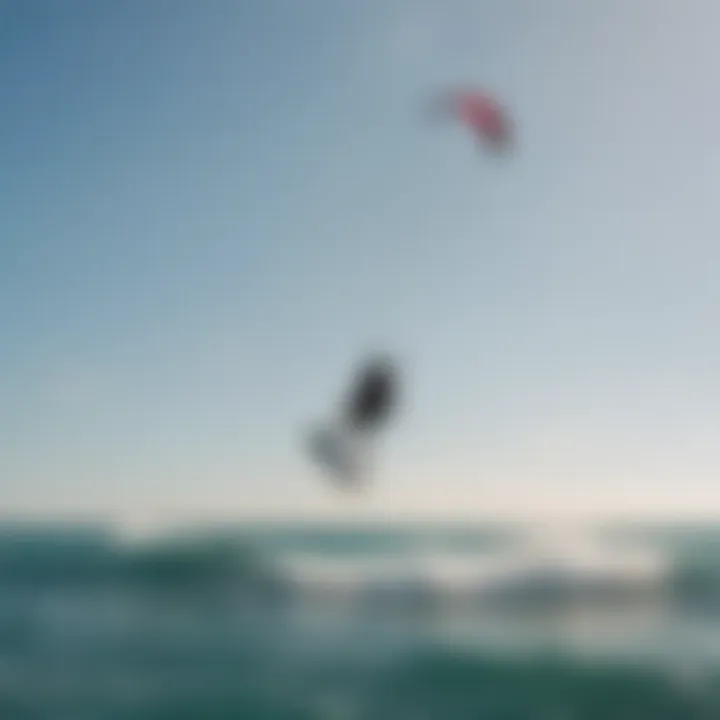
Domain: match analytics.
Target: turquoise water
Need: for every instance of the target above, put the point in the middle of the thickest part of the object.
(375, 622)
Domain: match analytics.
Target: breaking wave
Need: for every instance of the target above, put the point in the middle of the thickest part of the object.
(266, 562)
(321, 623)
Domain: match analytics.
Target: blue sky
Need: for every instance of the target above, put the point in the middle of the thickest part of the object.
(208, 210)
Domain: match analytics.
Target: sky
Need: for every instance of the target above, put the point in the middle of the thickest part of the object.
(210, 210)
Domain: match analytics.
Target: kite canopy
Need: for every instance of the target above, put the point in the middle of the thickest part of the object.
(478, 111)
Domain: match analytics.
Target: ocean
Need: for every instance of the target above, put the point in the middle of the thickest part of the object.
(311, 621)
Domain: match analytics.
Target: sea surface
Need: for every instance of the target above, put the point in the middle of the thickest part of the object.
(416, 622)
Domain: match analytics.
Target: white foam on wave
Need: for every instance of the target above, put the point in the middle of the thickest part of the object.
(577, 561)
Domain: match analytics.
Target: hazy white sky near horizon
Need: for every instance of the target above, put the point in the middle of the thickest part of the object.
(208, 209)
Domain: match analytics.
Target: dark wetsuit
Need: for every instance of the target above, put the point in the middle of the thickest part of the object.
(373, 396)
